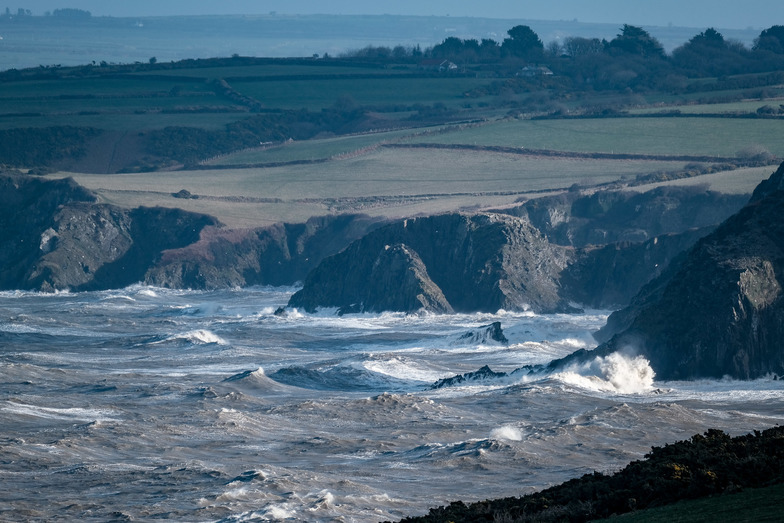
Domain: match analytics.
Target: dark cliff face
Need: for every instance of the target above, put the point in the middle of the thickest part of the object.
(608, 277)
(281, 254)
(606, 217)
(55, 237)
(27, 205)
(720, 309)
(480, 262)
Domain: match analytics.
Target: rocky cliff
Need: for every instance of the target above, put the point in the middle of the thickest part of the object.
(485, 262)
(461, 262)
(609, 276)
(281, 254)
(54, 236)
(605, 217)
(718, 310)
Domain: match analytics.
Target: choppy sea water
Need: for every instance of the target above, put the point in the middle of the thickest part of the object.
(147, 403)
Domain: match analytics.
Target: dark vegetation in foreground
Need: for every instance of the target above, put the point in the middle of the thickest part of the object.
(710, 465)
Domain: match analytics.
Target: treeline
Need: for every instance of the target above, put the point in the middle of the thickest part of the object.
(66, 12)
(632, 59)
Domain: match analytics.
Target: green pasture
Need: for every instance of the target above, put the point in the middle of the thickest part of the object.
(275, 70)
(722, 137)
(126, 103)
(114, 104)
(315, 94)
(315, 149)
(750, 505)
(99, 87)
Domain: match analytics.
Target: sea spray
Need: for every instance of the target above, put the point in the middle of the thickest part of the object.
(507, 432)
(615, 372)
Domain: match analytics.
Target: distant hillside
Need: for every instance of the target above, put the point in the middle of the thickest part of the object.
(128, 40)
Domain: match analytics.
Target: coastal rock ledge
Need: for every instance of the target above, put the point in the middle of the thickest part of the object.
(719, 310)
(443, 263)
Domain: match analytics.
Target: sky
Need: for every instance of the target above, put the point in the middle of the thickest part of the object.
(726, 14)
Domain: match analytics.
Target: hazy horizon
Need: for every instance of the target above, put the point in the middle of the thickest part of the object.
(695, 13)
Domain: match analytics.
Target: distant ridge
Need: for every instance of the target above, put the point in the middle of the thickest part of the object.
(136, 39)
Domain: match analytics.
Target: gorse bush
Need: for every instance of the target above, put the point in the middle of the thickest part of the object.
(707, 464)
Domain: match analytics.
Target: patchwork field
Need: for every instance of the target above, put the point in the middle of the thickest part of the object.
(383, 182)
(437, 142)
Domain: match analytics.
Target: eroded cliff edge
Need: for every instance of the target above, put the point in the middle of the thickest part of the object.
(718, 310)
(537, 256)
(460, 262)
(54, 235)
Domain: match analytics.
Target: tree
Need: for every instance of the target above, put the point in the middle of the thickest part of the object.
(709, 54)
(577, 46)
(771, 39)
(489, 50)
(451, 48)
(523, 42)
(72, 13)
(637, 41)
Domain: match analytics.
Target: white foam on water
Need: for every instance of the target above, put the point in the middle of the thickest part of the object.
(70, 413)
(615, 372)
(403, 369)
(201, 337)
(507, 432)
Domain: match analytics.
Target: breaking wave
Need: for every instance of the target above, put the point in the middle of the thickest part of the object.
(200, 337)
(615, 372)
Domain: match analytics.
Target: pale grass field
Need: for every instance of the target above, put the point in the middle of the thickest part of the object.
(386, 182)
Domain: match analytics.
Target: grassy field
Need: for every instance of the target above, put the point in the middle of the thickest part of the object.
(118, 121)
(722, 137)
(751, 506)
(272, 70)
(315, 149)
(315, 94)
(383, 182)
(115, 103)
(360, 172)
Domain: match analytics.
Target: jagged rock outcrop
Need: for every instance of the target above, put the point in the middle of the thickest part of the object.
(280, 254)
(27, 205)
(55, 237)
(478, 262)
(485, 334)
(719, 310)
(483, 374)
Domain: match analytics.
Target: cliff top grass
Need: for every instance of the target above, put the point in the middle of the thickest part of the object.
(382, 182)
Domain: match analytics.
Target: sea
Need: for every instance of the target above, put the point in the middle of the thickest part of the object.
(146, 403)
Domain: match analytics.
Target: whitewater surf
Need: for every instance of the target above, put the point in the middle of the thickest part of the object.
(206, 406)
